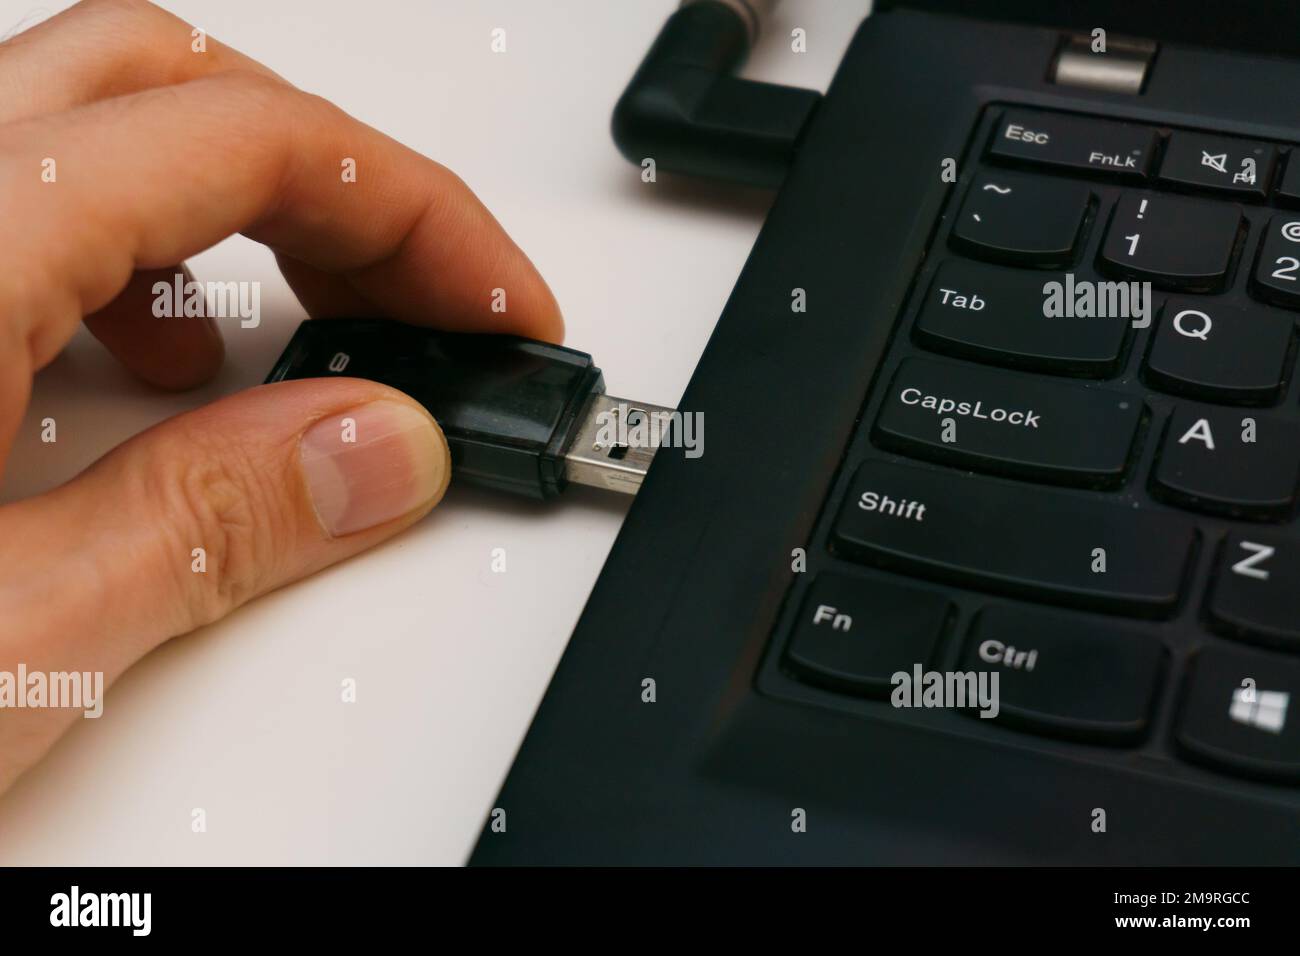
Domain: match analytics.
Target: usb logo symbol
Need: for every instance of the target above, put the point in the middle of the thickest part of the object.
(1265, 709)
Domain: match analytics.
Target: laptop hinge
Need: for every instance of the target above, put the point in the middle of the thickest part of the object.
(1098, 62)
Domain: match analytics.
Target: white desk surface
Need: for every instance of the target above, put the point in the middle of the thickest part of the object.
(244, 718)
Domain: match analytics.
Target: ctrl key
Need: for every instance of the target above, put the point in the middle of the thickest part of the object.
(1067, 674)
(1241, 713)
(853, 634)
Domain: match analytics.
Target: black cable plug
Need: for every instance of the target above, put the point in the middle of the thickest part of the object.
(685, 110)
(521, 416)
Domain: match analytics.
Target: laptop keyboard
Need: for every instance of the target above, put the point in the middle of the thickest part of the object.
(1080, 482)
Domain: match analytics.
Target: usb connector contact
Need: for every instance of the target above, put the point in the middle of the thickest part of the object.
(520, 416)
(600, 455)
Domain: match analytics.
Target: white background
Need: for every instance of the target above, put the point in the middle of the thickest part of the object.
(244, 719)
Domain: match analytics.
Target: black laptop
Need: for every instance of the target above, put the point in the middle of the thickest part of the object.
(992, 554)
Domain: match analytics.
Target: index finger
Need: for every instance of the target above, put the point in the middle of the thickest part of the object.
(147, 180)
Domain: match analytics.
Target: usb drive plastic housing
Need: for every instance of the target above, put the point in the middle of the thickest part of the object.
(520, 416)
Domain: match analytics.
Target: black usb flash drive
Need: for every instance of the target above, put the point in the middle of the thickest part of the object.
(520, 416)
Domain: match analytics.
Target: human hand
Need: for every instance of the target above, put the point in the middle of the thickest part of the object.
(159, 151)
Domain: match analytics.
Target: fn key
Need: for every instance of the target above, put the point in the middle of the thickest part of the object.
(854, 634)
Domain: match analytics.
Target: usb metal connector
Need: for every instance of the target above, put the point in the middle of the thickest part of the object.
(614, 443)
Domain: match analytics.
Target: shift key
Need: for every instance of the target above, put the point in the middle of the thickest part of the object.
(996, 535)
(1025, 426)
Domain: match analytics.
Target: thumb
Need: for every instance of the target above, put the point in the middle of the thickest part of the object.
(191, 519)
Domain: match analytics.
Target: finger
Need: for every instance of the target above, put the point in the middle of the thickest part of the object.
(172, 352)
(256, 156)
(16, 372)
(322, 294)
(103, 48)
(198, 515)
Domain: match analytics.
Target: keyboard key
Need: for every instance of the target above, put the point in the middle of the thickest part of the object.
(1230, 463)
(854, 634)
(1221, 353)
(1021, 220)
(1239, 166)
(1172, 241)
(1065, 675)
(1241, 712)
(1074, 142)
(1257, 590)
(1009, 423)
(1288, 191)
(997, 315)
(1014, 538)
(1277, 273)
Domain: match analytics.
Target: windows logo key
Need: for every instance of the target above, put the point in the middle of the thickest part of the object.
(1265, 709)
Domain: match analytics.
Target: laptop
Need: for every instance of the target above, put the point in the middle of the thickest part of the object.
(992, 553)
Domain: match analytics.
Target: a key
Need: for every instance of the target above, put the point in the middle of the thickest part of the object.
(1172, 241)
(1241, 712)
(1257, 589)
(1021, 220)
(1242, 167)
(1277, 271)
(998, 315)
(1009, 423)
(1221, 353)
(1227, 462)
(1074, 142)
(1067, 674)
(853, 634)
(1015, 538)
